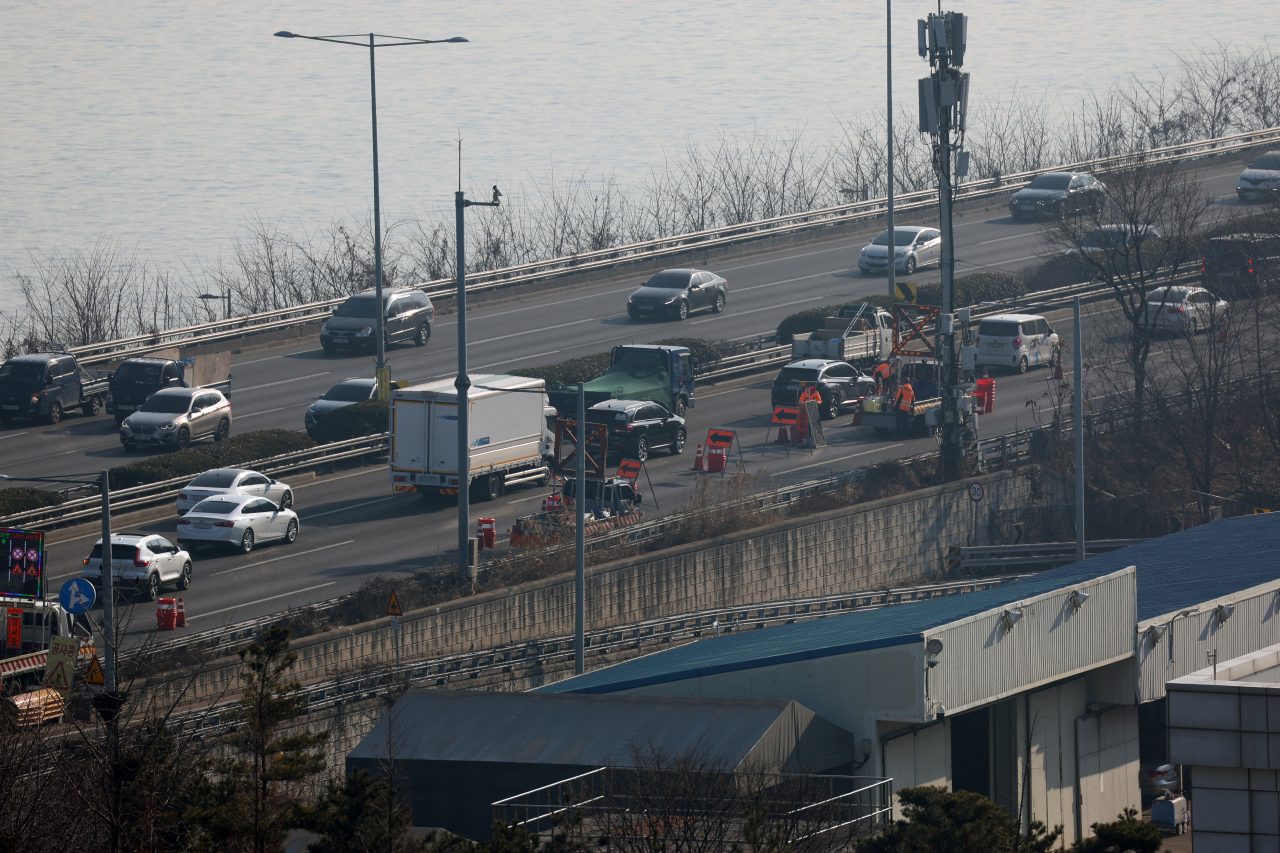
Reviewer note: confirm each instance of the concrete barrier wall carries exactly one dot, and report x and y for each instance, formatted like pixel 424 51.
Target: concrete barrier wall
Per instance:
pixel 894 541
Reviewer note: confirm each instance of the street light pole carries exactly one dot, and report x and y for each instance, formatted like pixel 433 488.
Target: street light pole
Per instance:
pixel 373 44
pixel 463 382
pixel 888 52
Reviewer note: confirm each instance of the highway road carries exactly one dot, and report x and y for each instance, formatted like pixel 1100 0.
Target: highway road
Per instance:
pixel 354 527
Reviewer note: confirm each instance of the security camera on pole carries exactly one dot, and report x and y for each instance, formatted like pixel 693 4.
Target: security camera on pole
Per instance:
pixel 944 97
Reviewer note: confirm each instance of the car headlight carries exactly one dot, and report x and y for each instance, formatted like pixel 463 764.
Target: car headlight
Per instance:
pixel 672 299
pixel 324 330
pixel 365 332
pixel 899 253
pixel 124 427
pixel 168 426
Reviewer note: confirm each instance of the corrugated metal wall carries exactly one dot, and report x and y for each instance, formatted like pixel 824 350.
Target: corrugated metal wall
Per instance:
pixel 1051 641
pixel 1254 623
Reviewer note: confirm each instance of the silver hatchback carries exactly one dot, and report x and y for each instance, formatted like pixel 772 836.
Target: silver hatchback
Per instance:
pixel 174 417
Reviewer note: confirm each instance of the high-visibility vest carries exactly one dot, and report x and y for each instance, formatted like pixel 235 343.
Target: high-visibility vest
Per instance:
pixel 883 371
pixel 906 397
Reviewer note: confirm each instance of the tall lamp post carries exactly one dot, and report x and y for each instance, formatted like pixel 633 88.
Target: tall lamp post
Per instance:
pixel 225 297
pixel 373 44
pixel 463 382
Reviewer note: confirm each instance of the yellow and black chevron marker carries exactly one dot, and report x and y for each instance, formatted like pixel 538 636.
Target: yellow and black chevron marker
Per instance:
pixel 953 558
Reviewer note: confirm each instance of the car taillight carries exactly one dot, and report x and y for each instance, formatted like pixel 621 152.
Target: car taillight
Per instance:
pixel 183 521
pixel 1204 263
pixel 86 561
pixel 182 496
pixel 1251 266
pixel 1017 342
pixel 1174 309
pixel 138 561
pixel 977 341
pixel 224 524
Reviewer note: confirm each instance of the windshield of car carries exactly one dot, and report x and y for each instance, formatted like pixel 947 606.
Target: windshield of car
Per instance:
pixel 798 374
pixel 118 551
pixel 1164 294
pixel 137 374
pixel 669 280
pixel 22 373
pixel 900 238
pixel 214 506
pixel 1269 161
pixel 1050 182
pixel 167 404
pixel 999 328
pixel 359 306
pixel 214 480
pixel 347 392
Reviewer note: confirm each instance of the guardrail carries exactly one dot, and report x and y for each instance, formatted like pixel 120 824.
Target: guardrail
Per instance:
pixel 646 250
pixel 166 490
pixel 1040 556
pixel 559 650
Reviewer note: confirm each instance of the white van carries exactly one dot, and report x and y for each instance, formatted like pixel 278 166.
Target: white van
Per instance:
pixel 1016 341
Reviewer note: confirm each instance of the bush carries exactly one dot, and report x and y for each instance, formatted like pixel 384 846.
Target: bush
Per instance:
pixel 811 320
pixel 226 454
pixel 25 498
pixel 706 354
pixel 973 289
pixel 354 421
pixel 1056 272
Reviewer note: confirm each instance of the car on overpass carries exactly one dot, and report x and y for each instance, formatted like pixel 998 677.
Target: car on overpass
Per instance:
pixel 913 247
pixel 345 393
pixel 838 382
pixel 1058 194
pixel 678 293
pixel 237 521
pixel 1261 180
pixel 232 481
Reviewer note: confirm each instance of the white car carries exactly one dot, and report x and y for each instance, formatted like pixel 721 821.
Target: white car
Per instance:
pixel 146 562
pixel 1187 310
pixel 913 247
pixel 233 481
pixel 1261 180
pixel 240 521
pixel 1017 341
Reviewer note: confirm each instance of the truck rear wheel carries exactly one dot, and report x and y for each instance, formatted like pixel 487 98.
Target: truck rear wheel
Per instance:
pixel 681 407
pixel 92 406
pixel 490 487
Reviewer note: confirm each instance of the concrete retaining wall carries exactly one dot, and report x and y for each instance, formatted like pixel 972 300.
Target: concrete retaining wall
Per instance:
pixel 894 541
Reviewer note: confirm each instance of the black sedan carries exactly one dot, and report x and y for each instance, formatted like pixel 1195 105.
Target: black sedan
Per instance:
pixel 675 293
pixel 637 426
pixel 1058 194
pixel 838 383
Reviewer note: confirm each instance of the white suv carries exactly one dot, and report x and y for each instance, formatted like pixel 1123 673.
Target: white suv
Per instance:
pixel 1017 341
pixel 144 561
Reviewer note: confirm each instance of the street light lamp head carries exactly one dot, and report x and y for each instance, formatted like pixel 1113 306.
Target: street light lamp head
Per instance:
pixel 457 40
pixel 285 34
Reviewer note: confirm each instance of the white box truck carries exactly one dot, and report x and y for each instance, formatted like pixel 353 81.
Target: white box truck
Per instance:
pixel 511 428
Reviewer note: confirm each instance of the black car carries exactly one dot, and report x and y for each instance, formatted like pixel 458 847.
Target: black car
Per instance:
pixel 838 383
pixel 675 293
pixel 1056 194
pixel 637 426
pixel 408 315
pixel 1235 264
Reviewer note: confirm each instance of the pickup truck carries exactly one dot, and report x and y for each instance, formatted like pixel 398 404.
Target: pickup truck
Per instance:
pixel 656 374
pixel 137 379
pixel 860 334
pixel 45 385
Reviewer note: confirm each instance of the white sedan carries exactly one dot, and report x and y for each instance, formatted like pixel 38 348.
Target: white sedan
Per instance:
pixel 233 481
pixel 240 521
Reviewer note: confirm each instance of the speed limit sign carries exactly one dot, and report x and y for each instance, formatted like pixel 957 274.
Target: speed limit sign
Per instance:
pixel 975 492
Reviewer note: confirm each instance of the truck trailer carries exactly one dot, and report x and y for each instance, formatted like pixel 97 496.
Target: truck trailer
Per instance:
pixel 511 427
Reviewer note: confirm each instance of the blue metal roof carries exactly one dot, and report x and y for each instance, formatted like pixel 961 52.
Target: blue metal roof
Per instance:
pixel 835 635
pixel 1174 572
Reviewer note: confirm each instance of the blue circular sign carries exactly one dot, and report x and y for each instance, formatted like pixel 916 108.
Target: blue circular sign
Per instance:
pixel 77 596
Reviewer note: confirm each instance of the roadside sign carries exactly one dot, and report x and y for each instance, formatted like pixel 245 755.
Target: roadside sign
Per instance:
pixel 13 636
pixel 384 384
pixel 953 558
pixel 976 492
pixel 95 677
pixel 786 415
pixel 393 605
pixel 61 664
pixel 906 291
pixel 77 596
pixel 629 469
pixel 721 439
pixel 22 563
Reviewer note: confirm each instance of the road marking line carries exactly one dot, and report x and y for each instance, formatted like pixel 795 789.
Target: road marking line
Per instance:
pixel 721 393
pixel 549 304
pixel 281 382
pixel 277 559
pixel 13 435
pixel 788 280
pixel 255 414
pixel 544 329
pixel 274 357
pixel 261 601
pixel 520 358
pixel 378 469
pixel 842 458
pixel 348 508
pixel 1014 237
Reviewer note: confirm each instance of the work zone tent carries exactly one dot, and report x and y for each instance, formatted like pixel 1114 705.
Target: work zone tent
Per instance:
pixel 456 752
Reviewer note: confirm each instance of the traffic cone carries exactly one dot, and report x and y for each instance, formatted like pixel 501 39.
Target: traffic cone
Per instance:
pixel 984 374
pixel 697 461
pixel 782 435
pixel 182 614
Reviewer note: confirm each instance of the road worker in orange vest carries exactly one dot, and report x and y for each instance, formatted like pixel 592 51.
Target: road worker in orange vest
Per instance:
pixel 882 373
pixel 902 405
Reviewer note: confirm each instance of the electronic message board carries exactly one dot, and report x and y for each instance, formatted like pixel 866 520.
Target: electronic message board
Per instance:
pixel 22 563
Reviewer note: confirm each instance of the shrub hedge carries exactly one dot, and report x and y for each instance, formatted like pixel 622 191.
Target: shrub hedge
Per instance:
pixel 354 421
pixel 23 498
pixel 973 289
pixel 225 454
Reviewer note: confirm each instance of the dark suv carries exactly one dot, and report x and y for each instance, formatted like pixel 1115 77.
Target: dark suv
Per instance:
pixel 1235 265
pixel 675 293
pixel 637 427
pixel 408 315
pixel 838 383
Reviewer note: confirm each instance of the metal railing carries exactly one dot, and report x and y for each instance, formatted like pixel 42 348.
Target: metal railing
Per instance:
pixel 629 805
pixel 149 494
pixel 1040 556
pixel 647 250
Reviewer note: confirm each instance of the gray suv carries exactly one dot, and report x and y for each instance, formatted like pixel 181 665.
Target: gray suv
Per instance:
pixel 407 317
pixel 174 417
